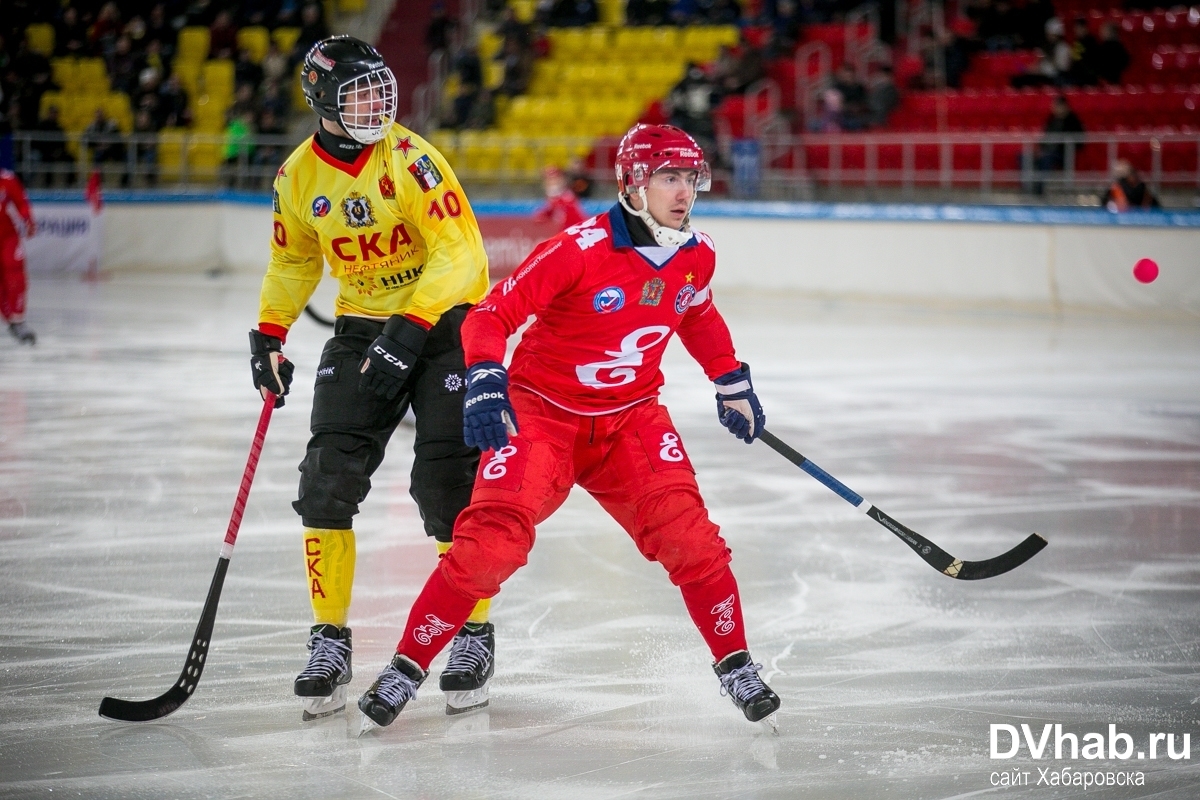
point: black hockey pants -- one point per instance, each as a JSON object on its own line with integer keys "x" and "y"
{"x": 350, "y": 429}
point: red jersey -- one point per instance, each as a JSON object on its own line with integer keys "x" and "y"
{"x": 562, "y": 209}
{"x": 12, "y": 193}
{"x": 605, "y": 312}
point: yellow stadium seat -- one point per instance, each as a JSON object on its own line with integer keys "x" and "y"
{"x": 612, "y": 78}
{"x": 285, "y": 38}
{"x": 352, "y": 6}
{"x": 519, "y": 160}
{"x": 192, "y": 44}
{"x": 446, "y": 144}
{"x": 117, "y": 107}
{"x": 633, "y": 42}
{"x": 567, "y": 43}
{"x": 664, "y": 41}
{"x": 298, "y": 98}
{"x": 555, "y": 154}
{"x": 92, "y": 75}
{"x": 546, "y": 78}
{"x": 493, "y": 74}
{"x": 65, "y": 72}
{"x": 218, "y": 74}
{"x": 40, "y": 37}
{"x": 598, "y": 42}
{"x": 524, "y": 9}
{"x": 489, "y": 45}
{"x": 481, "y": 155}
{"x": 703, "y": 43}
{"x": 189, "y": 75}
{"x": 256, "y": 40}
{"x": 208, "y": 114}
{"x": 612, "y": 13}
{"x": 169, "y": 153}
{"x": 205, "y": 155}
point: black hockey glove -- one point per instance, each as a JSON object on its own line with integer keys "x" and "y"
{"x": 391, "y": 359}
{"x": 270, "y": 370}
{"x": 737, "y": 405}
{"x": 488, "y": 416}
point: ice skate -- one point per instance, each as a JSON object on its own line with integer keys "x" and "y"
{"x": 471, "y": 664}
{"x": 739, "y": 679}
{"x": 395, "y": 686}
{"x": 22, "y": 333}
{"x": 322, "y": 684}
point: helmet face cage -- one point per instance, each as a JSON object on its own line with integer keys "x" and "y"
{"x": 367, "y": 105}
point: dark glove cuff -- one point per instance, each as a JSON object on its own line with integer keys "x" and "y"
{"x": 491, "y": 367}
{"x": 742, "y": 373}
{"x": 261, "y": 343}
{"x": 406, "y": 333}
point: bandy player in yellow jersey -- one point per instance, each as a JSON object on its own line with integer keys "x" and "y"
{"x": 385, "y": 210}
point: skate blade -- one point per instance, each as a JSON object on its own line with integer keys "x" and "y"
{"x": 319, "y": 707}
{"x": 366, "y": 726}
{"x": 463, "y": 702}
{"x": 771, "y": 723}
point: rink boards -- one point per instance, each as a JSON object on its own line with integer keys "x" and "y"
{"x": 977, "y": 255}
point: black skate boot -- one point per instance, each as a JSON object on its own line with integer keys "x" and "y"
{"x": 322, "y": 684}
{"x": 739, "y": 679}
{"x": 22, "y": 333}
{"x": 472, "y": 662}
{"x": 394, "y": 687}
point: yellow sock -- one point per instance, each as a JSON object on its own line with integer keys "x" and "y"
{"x": 480, "y": 614}
{"x": 329, "y": 564}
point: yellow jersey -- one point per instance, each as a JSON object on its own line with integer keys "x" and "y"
{"x": 394, "y": 225}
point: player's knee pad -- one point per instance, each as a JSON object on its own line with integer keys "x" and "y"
{"x": 332, "y": 484}
{"x": 441, "y": 487}
{"x": 491, "y": 542}
{"x": 673, "y": 529}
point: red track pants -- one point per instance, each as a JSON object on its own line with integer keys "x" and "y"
{"x": 12, "y": 278}
{"x": 633, "y": 463}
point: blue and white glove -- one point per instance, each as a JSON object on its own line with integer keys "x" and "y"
{"x": 488, "y": 416}
{"x": 737, "y": 405}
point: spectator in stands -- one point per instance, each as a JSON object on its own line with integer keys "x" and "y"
{"x": 104, "y": 139}
{"x": 50, "y": 150}
{"x": 123, "y": 66}
{"x": 1083, "y": 56}
{"x": 788, "y": 23}
{"x": 648, "y": 12}
{"x": 244, "y": 102}
{"x": 1053, "y": 67}
{"x": 483, "y": 111}
{"x": 222, "y": 35}
{"x": 275, "y": 99}
{"x": 1000, "y": 26}
{"x": 855, "y": 113}
{"x": 104, "y": 33}
{"x": 145, "y": 145}
{"x": 245, "y": 71}
{"x": 573, "y": 13}
{"x": 312, "y": 30}
{"x": 159, "y": 28}
{"x": 1062, "y": 126}
{"x": 882, "y": 96}
{"x": 145, "y": 97}
{"x": 29, "y": 79}
{"x": 173, "y": 104}
{"x": 70, "y": 34}
{"x": 691, "y": 103}
{"x": 257, "y": 12}
{"x": 469, "y": 70}
{"x": 518, "y": 68}
{"x": 577, "y": 178}
{"x": 239, "y": 145}
{"x": 439, "y": 30}
{"x": 1111, "y": 56}
{"x": 1128, "y": 191}
{"x": 561, "y": 206}
{"x": 152, "y": 57}
{"x": 737, "y": 72}
{"x": 274, "y": 64}
{"x": 828, "y": 118}
{"x": 1034, "y": 15}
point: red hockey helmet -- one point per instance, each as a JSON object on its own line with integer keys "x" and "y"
{"x": 646, "y": 149}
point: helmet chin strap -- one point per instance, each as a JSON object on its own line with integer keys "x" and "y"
{"x": 666, "y": 237}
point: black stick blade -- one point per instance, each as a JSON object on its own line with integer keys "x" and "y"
{"x": 168, "y": 702}
{"x": 977, "y": 570}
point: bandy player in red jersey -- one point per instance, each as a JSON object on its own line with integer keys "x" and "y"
{"x": 12, "y": 255}
{"x": 579, "y": 406}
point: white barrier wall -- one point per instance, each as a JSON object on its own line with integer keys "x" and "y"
{"x": 1032, "y": 265}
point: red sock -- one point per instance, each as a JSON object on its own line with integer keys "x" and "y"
{"x": 716, "y": 609}
{"x": 437, "y": 614}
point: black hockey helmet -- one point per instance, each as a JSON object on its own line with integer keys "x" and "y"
{"x": 345, "y": 81}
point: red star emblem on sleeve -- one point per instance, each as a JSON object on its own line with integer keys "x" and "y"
{"x": 688, "y": 277}
{"x": 404, "y": 145}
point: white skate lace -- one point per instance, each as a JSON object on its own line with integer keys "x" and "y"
{"x": 328, "y": 657}
{"x": 743, "y": 683}
{"x": 468, "y": 654}
{"x": 394, "y": 687}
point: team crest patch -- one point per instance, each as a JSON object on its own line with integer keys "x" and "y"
{"x": 652, "y": 292}
{"x": 357, "y": 211}
{"x": 608, "y": 300}
{"x": 387, "y": 188}
{"x": 684, "y": 298}
{"x": 453, "y": 382}
{"x": 312, "y": 76}
{"x": 321, "y": 206}
{"x": 425, "y": 173}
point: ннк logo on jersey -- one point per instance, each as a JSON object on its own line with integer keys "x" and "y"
{"x": 608, "y": 300}
{"x": 321, "y": 206}
{"x": 425, "y": 173}
{"x": 357, "y": 211}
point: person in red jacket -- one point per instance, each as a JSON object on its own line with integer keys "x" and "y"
{"x": 583, "y": 409}
{"x": 561, "y": 207}
{"x": 12, "y": 255}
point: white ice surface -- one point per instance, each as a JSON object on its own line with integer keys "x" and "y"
{"x": 124, "y": 432}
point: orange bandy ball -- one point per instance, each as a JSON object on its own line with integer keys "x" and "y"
{"x": 1145, "y": 270}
